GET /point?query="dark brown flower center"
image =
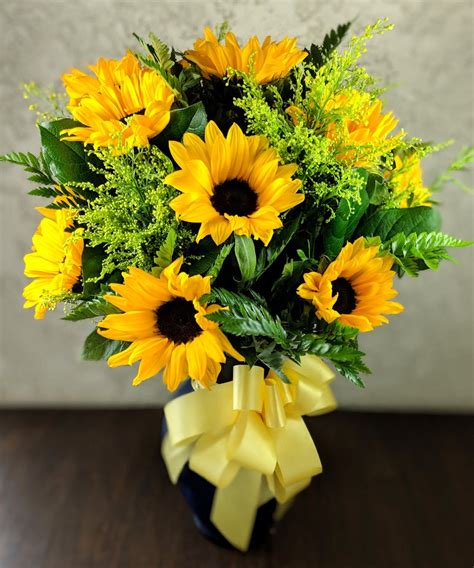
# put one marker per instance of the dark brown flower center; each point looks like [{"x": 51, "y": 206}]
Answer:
[
  {"x": 234, "y": 197},
  {"x": 175, "y": 320},
  {"x": 346, "y": 301}
]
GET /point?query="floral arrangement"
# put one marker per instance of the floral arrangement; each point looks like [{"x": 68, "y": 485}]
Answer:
[{"x": 239, "y": 205}]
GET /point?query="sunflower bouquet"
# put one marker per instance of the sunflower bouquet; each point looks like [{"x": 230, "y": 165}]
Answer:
[{"x": 233, "y": 215}]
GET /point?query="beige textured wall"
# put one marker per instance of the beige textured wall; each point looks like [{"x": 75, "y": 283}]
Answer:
[{"x": 422, "y": 359}]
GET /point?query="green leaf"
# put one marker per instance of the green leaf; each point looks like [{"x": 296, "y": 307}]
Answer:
[
  {"x": 342, "y": 226},
  {"x": 346, "y": 357},
  {"x": 291, "y": 276},
  {"x": 97, "y": 347},
  {"x": 160, "y": 52},
  {"x": 43, "y": 192},
  {"x": 277, "y": 245},
  {"x": 224, "y": 252},
  {"x": 191, "y": 119},
  {"x": 92, "y": 259},
  {"x": 376, "y": 189},
  {"x": 386, "y": 223},
  {"x": 207, "y": 253},
  {"x": 164, "y": 256},
  {"x": 162, "y": 59},
  {"x": 273, "y": 360},
  {"x": 244, "y": 316},
  {"x": 423, "y": 251},
  {"x": 67, "y": 160},
  {"x": 32, "y": 164},
  {"x": 319, "y": 54},
  {"x": 246, "y": 257},
  {"x": 91, "y": 309}
]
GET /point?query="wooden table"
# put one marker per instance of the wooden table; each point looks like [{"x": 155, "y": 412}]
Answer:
[{"x": 88, "y": 489}]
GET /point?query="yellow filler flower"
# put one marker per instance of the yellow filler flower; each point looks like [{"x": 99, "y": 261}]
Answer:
[
  {"x": 406, "y": 179},
  {"x": 231, "y": 184},
  {"x": 364, "y": 137},
  {"x": 355, "y": 289},
  {"x": 56, "y": 260},
  {"x": 123, "y": 105},
  {"x": 167, "y": 327},
  {"x": 267, "y": 62}
]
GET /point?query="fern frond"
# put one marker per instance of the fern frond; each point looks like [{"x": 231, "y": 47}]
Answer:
[{"x": 421, "y": 251}]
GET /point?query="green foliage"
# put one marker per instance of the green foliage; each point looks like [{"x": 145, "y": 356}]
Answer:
[
  {"x": 345, "y": 356},
  {"x": 291, "y": 276},
  {"x": 249, "y": 317},
  {"x": 164, "y": 256},
  {"x": 208, "y": 258},
  {"x": 269, "y": 254},
  {"x": 48, "y": 104},
  {"x": 274, "y": 360},
  {"x": 97, "y": 347},
  {"x": 459, "y": 164},
  {"x": 43, "y": 192},
  {"x": 245, "y": 317},
  {"x": 37, "y": 166},
  {"x": 342, "y": 226},
  {"x": 202, "y": 256},
  {"x": 341, "y": 72},
  {"x": 246, "y": 258},
  {"x": 67, "y": 161},
  {"x": 41, "y": 173},
  {"x": 160, "y": 52},
  {"x": 93, "y": 259},
  {"x": 97, "y": 307},
  {"x": 130, "y": 218},
  {"x": 319, "y": 54},
  {"x": 191, "y": 119},
  {"x": 386, "y": 223},
  {"x": 216, "y": 267},
  {"x": 161, "y": 58},
  {"x": 376, "y": 188},
  {"x": 423, "y": 251},
  {"x": 221, "y": 30}
]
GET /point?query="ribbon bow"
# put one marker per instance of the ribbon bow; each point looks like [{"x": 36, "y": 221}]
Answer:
[{"x": 248, "y": 438}]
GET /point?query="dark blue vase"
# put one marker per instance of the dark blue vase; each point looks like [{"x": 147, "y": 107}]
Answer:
[{"x": 199, "y": 495}]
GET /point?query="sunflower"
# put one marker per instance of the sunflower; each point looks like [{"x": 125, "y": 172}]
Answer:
[
  {"x": 363, "y": 135},
  {"x": 56, "y": 260},
  {"x": 355, "y": 289},
  {"x": 267, "y": 62},
  {"x": 231, "y": 184},
  {"x": 123, "y": 105},
  {"x": 167, "y": 327},
  {"x": 406, "y": 180}
]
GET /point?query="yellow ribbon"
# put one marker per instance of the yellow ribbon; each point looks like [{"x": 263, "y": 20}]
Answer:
[{"x": 248, "y": 438}]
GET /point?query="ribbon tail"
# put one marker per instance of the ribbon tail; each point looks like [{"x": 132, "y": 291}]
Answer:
[
  {"x": 174, "y": 457},
  {"x": 209, "y": 459},
  {"x": 234, "y": 508},
  {"x": 298, "y": 459},
  {"x": 282, "y": 509}
]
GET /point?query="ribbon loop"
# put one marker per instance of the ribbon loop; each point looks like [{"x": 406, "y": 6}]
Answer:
[
  {"x": 248, "y": 383},
  {"x": 274, "y": 406},
  {"x": 193, "y": 414},
  {"x": 251, "y": 444}
]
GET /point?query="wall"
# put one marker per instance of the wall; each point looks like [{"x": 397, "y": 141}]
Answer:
[{"x": 422, "y": 359}]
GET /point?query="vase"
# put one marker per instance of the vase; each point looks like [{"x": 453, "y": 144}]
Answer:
[{"x": 241, "y": 451}]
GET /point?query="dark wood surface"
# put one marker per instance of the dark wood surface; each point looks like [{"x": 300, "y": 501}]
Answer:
[{"x": 88, "y": 489}]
